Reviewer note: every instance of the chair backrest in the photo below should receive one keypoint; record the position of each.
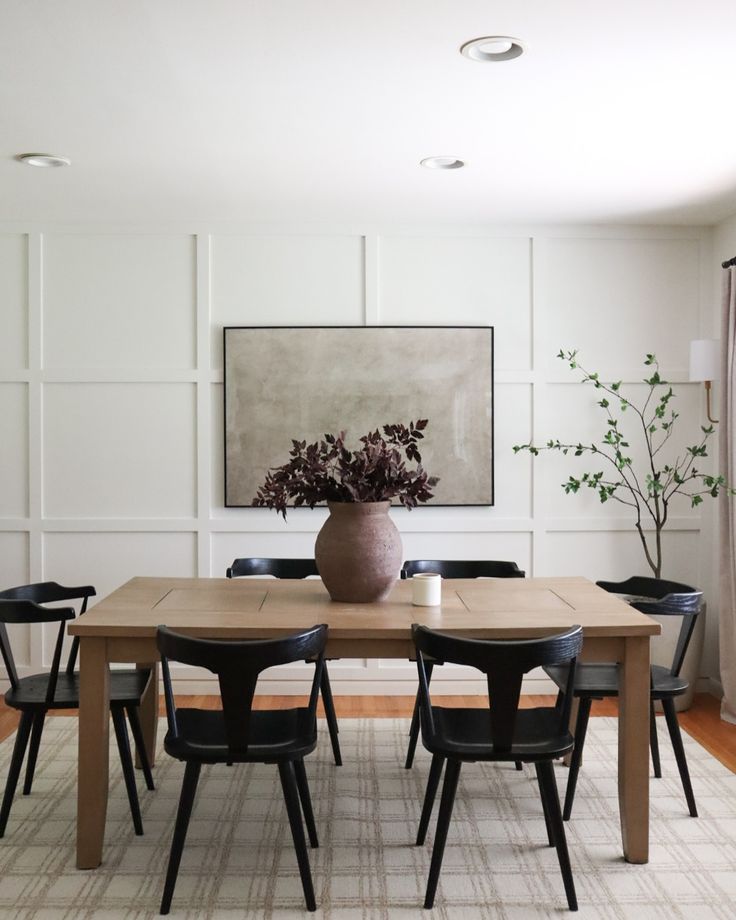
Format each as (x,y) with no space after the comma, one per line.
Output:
(25,611)
(455,568)
(658,597)
(238,664)
(279,568)
(504,662)
(49,592)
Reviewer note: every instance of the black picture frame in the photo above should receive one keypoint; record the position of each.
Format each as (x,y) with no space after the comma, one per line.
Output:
(299,382)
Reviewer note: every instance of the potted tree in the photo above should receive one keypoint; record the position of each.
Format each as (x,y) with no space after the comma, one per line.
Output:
(358,551)
(645,487)
(649,489)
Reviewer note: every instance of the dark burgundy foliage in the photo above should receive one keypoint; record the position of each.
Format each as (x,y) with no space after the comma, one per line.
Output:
(328,471)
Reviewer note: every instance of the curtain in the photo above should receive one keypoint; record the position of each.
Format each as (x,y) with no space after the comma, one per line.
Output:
(727,518)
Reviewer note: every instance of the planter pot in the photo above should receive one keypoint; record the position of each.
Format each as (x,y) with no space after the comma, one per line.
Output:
(660,599)
(358,552)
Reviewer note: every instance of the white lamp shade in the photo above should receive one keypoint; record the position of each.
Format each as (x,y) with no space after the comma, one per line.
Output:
(705,359)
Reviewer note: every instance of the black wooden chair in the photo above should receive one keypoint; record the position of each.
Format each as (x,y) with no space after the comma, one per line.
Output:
(239,734)
(596,681)
(451,568)
(503,732)
(456,568)
(294,568)
(35,695)
(277,568)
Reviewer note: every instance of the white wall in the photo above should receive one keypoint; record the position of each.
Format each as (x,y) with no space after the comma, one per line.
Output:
(111,388)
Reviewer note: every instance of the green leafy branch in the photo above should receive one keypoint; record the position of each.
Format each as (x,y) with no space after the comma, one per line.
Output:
(650,489)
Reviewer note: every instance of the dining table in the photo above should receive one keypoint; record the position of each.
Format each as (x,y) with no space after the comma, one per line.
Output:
(122,628)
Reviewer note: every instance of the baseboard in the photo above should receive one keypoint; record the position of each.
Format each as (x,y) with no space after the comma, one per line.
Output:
(540,685)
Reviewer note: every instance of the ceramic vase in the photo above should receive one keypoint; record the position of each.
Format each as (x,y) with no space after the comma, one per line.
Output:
(358,552)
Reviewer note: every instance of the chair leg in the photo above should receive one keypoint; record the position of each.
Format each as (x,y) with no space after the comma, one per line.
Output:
(654,741)
(183,814)
(306,800)
(449,788)
(519,765)
(140,744)
(330,715)
(414,727)
(433,781)
(126,761)
(551,803)
(291,797)
(547,823)
(674,728)
(36,732)
(413,736)
(581,727)
(16,762)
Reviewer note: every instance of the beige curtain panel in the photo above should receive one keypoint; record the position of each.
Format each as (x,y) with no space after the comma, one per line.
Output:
(727,465)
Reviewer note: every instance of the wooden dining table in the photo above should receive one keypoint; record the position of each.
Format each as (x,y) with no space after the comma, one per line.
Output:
(122,628)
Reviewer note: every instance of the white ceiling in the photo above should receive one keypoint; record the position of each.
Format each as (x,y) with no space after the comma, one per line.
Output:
(311,110)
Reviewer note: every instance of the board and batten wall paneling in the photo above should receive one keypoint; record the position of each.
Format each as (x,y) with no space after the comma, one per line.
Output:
(14,450)
(111,392)
(107,559)
(114,301)
(15,457)
(285,281)
(613,554)
(617,299)
(13,301)
(119,450)
(461,281)
(14,566)
(570,412)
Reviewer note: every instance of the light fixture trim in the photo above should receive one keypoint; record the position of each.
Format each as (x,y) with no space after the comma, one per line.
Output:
(477,49)
(442,162)
(705,360)
(43,160)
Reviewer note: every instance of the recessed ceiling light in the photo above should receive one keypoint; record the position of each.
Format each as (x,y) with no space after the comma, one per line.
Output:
(492,48)
(44,160)
(441,163)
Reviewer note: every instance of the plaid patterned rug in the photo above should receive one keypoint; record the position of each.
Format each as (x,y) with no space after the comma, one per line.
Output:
(239,861)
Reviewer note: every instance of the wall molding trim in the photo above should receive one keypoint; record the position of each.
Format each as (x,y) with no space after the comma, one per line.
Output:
(111,388)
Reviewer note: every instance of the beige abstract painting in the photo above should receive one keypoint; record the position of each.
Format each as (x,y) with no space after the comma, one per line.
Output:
(284,383)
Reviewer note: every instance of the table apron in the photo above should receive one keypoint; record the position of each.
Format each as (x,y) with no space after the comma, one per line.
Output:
(603,648)
(127,649)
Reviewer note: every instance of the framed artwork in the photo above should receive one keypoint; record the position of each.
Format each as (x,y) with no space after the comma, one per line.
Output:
(298,383)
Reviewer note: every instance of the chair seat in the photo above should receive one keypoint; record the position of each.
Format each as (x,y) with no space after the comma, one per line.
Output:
(602,680)
(280,733)
(126,689)
(464,735)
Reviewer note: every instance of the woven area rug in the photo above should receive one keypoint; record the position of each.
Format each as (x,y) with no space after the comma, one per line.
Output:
(239,861)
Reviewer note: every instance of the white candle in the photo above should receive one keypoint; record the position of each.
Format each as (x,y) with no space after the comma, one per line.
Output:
(426,589)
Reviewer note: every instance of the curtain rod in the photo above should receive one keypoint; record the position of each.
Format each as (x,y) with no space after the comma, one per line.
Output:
(729,263)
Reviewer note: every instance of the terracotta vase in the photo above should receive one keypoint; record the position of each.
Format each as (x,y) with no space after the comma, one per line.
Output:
(358,552)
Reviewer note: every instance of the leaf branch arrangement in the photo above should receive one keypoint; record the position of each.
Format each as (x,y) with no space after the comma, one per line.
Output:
(327,470)
(650,489)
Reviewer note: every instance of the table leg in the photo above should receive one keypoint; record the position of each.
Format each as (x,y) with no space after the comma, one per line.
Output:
(633,749)
(148,713)
(94,728)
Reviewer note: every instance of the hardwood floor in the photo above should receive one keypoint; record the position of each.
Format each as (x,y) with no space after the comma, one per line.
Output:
(702,721)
